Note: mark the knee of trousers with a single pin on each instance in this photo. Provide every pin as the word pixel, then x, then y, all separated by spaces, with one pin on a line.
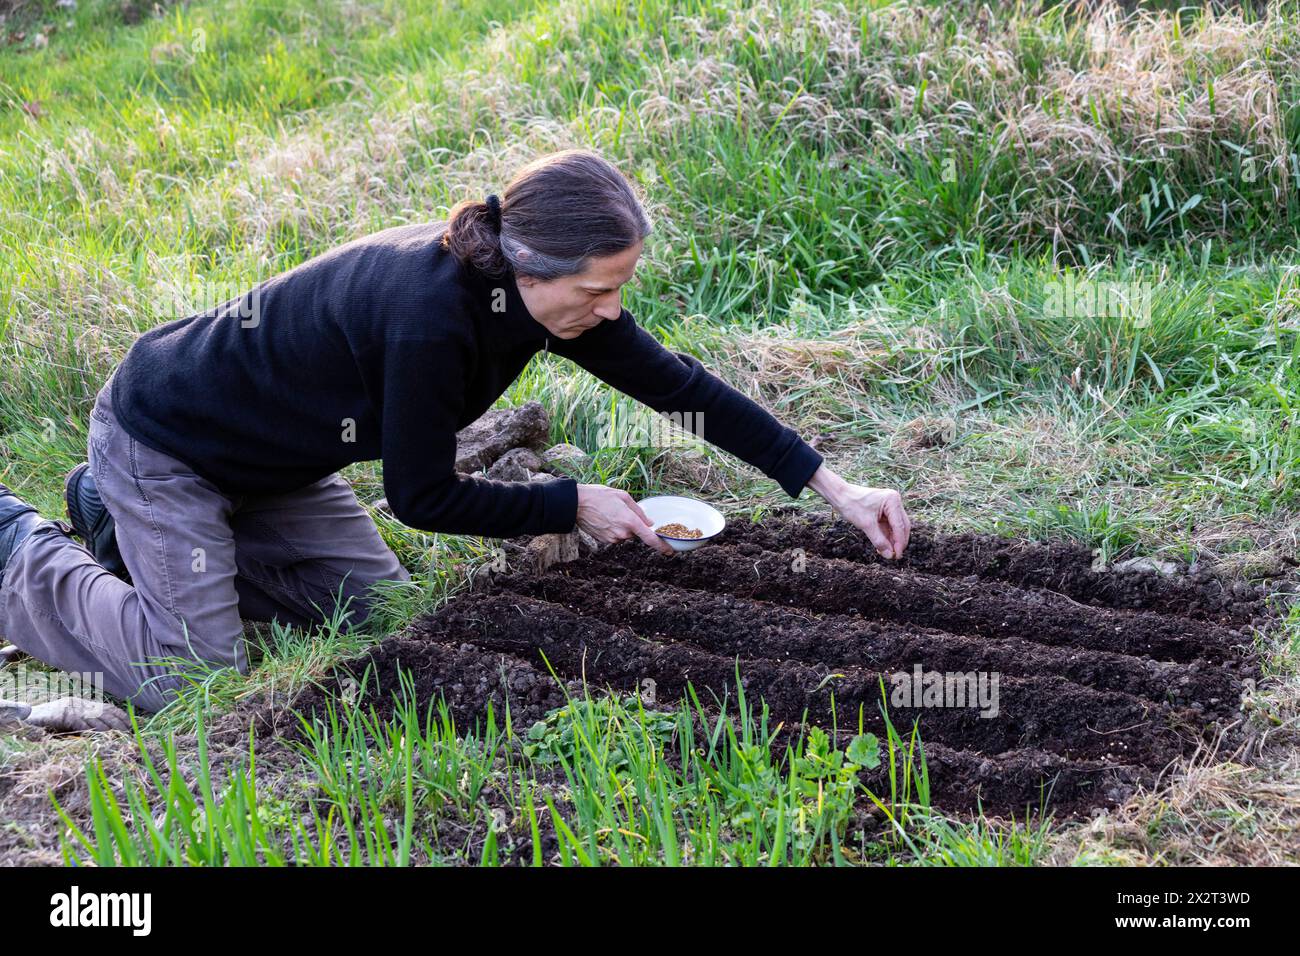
pixel 360 588
pixel 157 692
pixel 164 687
pixel 186 662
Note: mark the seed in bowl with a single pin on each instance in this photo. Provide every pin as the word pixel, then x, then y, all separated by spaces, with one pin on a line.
pixel 675 529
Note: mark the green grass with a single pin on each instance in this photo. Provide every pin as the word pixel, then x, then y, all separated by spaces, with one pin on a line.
pixel 862 214
pixel 414 788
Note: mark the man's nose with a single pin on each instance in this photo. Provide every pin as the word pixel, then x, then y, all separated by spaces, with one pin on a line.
pixel 610 311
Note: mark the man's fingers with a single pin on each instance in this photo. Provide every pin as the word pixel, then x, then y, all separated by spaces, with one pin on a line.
pixel 639 513
pixel 652 539
pixel 642 527
pixel 899 524
pixel 878 539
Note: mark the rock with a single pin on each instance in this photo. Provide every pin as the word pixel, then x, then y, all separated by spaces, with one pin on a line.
pixel 565 459
pixel 1147 566
pixel 518 464
pixel 586 543
pixel 482 442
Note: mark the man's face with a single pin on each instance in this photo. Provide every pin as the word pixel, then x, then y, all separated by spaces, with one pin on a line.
pixel 570 305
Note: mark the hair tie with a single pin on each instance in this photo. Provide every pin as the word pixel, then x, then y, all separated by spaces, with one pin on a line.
pixel 494 211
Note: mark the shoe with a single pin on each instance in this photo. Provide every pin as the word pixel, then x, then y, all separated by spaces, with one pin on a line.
pixel 18 520
pixel 90 519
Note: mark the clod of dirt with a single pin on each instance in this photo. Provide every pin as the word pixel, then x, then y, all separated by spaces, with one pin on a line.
pixel 481 443
pixel 518 464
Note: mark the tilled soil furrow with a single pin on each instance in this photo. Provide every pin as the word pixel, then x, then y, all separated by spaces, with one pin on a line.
pixel 1103 678
pixel 1049 713
pixel 468 677
pixel 1014 783
pixel 1061 566
pixel 987 608
pixel 723 624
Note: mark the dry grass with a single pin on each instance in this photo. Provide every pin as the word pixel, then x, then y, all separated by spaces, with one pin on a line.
pixel 1214 809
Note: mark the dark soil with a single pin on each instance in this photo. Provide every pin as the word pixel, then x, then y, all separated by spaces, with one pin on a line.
pixel 1104 679
pixel 1061 566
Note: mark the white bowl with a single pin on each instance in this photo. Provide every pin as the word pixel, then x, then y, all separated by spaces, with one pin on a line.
pixel 665 509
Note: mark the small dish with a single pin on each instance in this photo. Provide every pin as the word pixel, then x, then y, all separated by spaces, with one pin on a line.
pixel 667 509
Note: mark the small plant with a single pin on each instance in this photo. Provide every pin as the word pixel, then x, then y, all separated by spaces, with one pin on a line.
pixel 557 734
pixel 814 798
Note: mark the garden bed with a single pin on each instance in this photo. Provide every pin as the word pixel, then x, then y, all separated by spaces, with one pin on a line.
pixel 1103 677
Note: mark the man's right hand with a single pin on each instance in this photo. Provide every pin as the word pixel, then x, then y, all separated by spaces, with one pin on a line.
pixel 610 515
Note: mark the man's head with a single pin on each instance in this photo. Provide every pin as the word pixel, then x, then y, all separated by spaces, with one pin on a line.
pixel 570 232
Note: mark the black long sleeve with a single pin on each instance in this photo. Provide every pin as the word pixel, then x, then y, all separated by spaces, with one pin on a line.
pixel 383 348
pixel 424 490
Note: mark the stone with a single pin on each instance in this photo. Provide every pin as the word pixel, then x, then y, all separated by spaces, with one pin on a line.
pixel 518 464
pixel 1147 566
pixel 586 544
pixel 482 442
pixel 565 459
pixel 546 550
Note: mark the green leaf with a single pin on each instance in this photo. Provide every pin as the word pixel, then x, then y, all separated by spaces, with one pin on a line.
pixel 864 750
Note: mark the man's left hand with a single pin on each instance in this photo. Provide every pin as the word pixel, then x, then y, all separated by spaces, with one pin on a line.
pixel 878 512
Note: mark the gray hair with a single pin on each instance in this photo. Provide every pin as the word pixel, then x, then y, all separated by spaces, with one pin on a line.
pixel 558 211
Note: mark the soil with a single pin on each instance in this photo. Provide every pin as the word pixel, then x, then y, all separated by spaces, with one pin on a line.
pixel 1104 678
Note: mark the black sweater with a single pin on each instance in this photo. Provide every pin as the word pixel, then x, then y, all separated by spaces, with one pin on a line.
pixel 383 348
